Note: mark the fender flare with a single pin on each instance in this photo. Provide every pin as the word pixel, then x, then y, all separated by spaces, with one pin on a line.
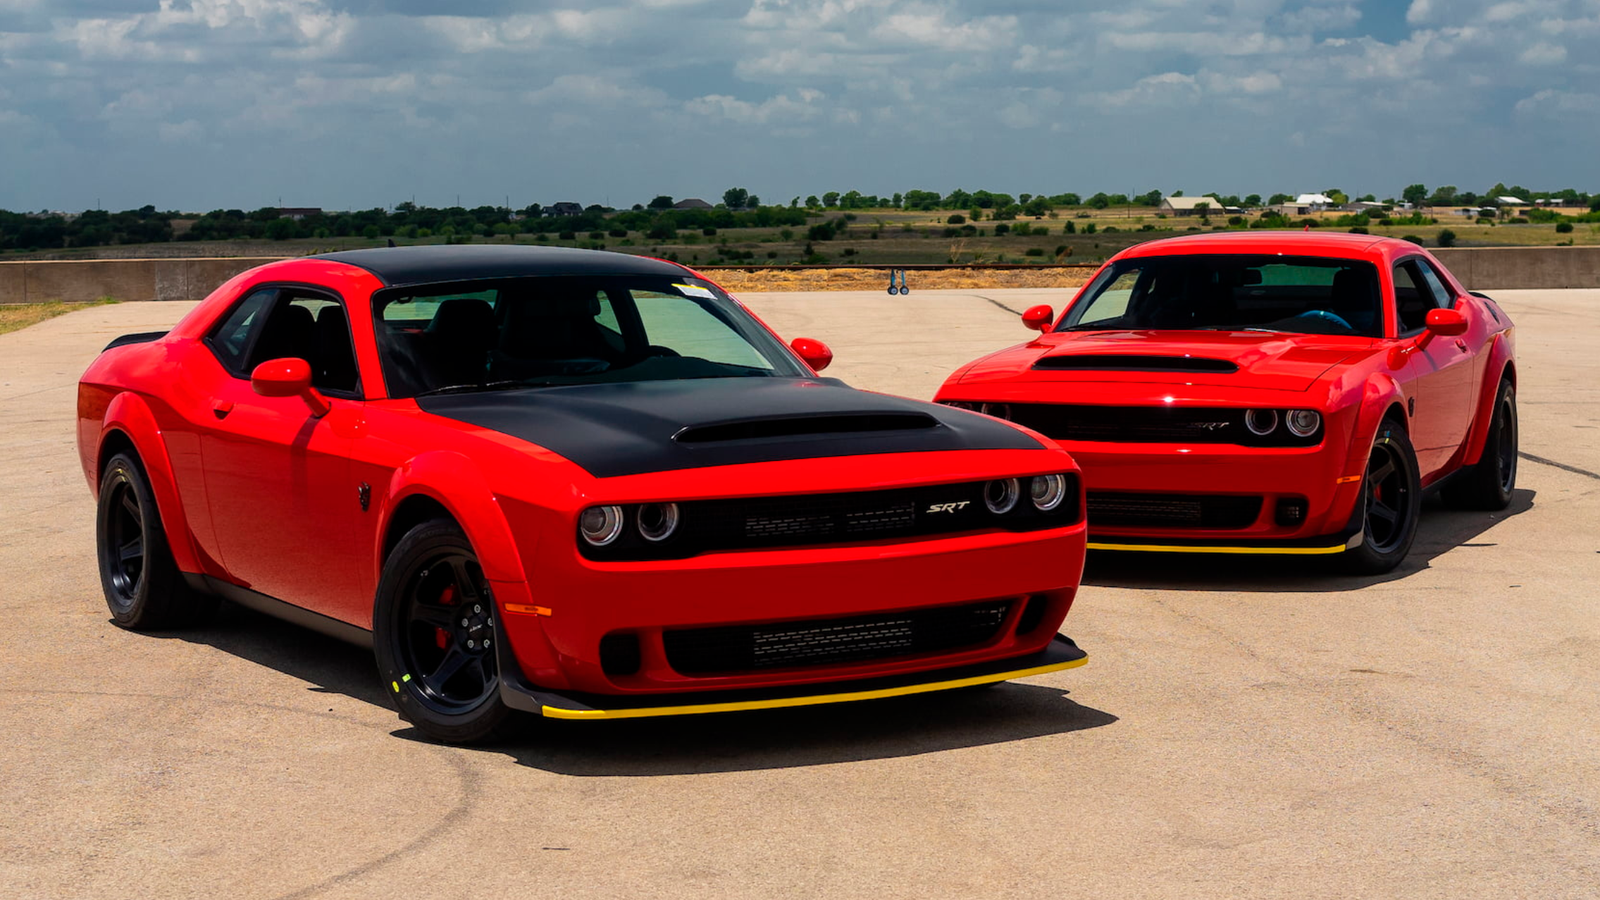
pixel 453 481
pixel 1380 394
pixel 130 414
pixel 1500 367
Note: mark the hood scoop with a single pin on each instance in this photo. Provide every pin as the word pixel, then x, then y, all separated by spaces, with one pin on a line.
pixel 802 426
pixel 1104 362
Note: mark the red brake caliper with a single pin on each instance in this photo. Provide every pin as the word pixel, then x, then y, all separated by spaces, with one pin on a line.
pixel 441 636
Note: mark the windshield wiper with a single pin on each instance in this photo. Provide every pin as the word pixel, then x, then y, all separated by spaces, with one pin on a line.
pixel 469 388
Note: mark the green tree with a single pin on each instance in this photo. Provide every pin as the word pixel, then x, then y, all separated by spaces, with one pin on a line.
pixel 1278 199
pixel 662 201
pixel 1252 200
pixel 1414 194
pixel 736 197
pixel 830 199
pixel 812 202
pixel 1443 196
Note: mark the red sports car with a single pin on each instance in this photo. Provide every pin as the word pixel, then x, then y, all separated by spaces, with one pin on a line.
pixel 581 484
pixel 1267 393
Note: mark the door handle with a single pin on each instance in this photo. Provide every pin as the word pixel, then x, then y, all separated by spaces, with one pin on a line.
pixel 221 408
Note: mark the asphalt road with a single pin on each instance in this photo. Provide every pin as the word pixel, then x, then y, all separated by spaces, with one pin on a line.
pixel 1243 729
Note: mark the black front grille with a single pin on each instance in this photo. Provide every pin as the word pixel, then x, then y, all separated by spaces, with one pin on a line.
pixel 802 519
pixel 1148 424
pixel 820 642
pixel 1109 362
pixel 1108 509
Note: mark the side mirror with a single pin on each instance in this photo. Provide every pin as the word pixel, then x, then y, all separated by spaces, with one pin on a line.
pixel 1446 322
pixel 1039 318
pixel 289 377
pixel 814 352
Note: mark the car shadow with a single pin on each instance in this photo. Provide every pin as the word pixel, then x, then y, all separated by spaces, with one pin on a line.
pixel 1440 530
pixel 801 736
pixel 679 745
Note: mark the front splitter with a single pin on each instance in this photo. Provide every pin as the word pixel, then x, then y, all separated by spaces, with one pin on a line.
pixel 1061 653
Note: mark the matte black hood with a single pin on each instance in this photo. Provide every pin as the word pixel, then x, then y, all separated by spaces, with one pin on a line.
pixel 657 426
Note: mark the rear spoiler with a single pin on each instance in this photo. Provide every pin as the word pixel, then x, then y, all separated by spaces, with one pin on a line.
pixel 143 337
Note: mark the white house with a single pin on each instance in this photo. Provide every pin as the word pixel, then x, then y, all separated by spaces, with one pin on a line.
pixel 1314 202
pixel 1190 206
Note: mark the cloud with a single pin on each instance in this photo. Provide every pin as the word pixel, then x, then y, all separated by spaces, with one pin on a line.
pixel 374 99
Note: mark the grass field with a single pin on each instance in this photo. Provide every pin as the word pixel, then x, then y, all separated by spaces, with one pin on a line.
pixel 14 317
pixel 887 236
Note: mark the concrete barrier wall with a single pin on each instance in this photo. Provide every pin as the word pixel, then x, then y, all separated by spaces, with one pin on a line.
pixel 1479 268
pixel 125 279
pixel 1512 268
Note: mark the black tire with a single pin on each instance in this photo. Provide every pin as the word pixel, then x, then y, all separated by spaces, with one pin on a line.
pixel 433 634
pixel 1490 483
pixel 1391 499
pixel 143 587
pixel 904 289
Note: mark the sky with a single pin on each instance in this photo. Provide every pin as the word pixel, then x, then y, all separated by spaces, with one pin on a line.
pixel 203 104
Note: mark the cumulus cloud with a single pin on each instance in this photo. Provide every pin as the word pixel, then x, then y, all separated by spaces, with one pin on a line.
pixel 371 100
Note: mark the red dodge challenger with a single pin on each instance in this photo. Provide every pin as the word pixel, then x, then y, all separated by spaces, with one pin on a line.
pixel 580 484
pixel 1267 393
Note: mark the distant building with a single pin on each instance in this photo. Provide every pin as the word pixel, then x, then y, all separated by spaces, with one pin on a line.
pixel 1314 202
pixel 564 208
pixel 1190 206
pixel 298 212
pixel 691 203
pixel 1511 201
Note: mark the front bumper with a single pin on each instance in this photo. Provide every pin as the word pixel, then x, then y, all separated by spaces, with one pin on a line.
pixel 515 691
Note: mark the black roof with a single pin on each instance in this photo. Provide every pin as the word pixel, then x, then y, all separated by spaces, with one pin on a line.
pixel 397 266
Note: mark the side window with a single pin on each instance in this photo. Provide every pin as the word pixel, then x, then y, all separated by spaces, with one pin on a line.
pixel 230 339
pixel 315 328
pixel 1412 297
pixel 1442 296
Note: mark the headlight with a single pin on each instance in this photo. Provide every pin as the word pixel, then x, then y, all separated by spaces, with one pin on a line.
pixel 998 410
pixel 1303 422
pixel 1261 422
pixel 1001 496
pixel 600 525
pixel 657 521
pixel 1048 491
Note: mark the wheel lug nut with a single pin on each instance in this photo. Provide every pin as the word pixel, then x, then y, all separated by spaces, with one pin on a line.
pixel 476 608
pixel 469 645
pixel 465 623
pixel 486 642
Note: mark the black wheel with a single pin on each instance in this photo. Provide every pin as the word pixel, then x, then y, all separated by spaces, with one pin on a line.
pixel 434 636
pixel 1488 485
pixel 142 584
pixel 904 289
pixel 1391 497
pixel 893 290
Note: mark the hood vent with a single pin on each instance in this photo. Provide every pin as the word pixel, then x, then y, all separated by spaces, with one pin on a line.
pixel 1098 362
pixel 803 426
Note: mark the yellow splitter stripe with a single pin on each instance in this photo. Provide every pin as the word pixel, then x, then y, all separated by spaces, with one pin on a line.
pixel 1179 548
pixel 814 700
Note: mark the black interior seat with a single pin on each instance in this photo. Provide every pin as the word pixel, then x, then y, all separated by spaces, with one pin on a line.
pixel 290 333
pixel 1353 297
pixel 456 343
pixel 551 335
pixel 336 357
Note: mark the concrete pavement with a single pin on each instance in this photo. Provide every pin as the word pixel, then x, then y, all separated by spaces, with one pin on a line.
pixel 1243 729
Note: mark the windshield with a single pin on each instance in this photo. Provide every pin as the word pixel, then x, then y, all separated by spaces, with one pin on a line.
pixel 1304 295
pixel 481 335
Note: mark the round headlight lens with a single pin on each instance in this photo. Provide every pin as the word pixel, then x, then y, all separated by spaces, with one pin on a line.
pixel 600 525
pixel 1001 496
pixel 1261 422
pixel 1303 422
pixel 998 410
pixel 657 521
pixel 1048 491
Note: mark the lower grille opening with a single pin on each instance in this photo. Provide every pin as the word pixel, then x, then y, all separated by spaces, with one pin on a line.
pixel 619 654
pixel 1109 509
pixel 1032 614
pixel 820 642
